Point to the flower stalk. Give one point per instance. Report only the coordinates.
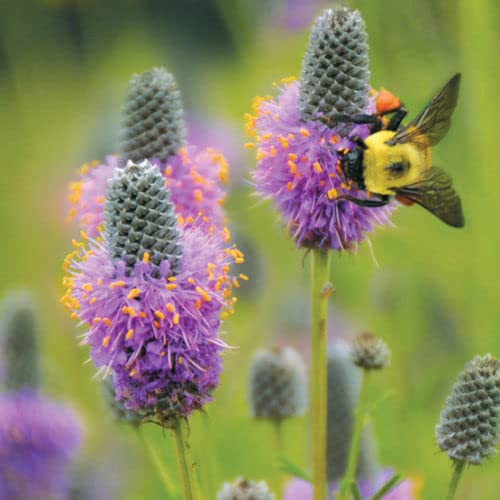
(455, 478)
(184, 460)
(320, 291)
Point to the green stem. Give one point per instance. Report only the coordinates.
(278, 446)
(455, 478)
(320, 290)
(359, 422)
(157, 462)
(184, 461)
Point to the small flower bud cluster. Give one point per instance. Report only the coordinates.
(278, 387)
(468, 429)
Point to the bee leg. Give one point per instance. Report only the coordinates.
(383, 200)
(397, 118)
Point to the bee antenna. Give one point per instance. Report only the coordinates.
(359, 142)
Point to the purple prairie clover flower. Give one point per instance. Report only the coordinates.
(298, 167)
(155, 331)
(194, 177)
(38, 441)
(298, 489)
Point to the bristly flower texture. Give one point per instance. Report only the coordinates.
(299, 146)
(154, 128)
(38, 441)
(153, 324)
(194, 176)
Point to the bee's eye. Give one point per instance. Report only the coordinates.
(397, 168)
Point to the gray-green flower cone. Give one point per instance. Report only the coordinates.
(243, 489)
(344, 381)
(153, 117)
(370, 352)
(19, 342)
(468, 429)
(139, 217)
(335, 69)
(277, 384)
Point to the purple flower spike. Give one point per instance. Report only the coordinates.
(38, 441)
(156, 333)
(299, 169)
(194, 176)
(298, 489)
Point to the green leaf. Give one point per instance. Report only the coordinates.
(355, 491)
(286, 465)
(387, 487)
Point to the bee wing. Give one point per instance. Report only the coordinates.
(435, 193)
(434, 121)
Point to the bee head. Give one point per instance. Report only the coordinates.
(351, 162)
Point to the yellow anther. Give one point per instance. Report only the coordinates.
(96, 320)
(304, 132)
(249, 145)
(106, 321)
(191, 280)
(176, 319)
(179, 360)
(171, 286)
(332, 193)
(236, 283)
(170, 307)
(204, 295)
(261, 155)
(284, 143)
(197, 304)
(145, 258)
(73, 315)
(135, 292)
(244, 277)
(159, 315)
(289, 185)
(157, 324)
(172, 278)
(293, 167)
(99, 281)
(93, 300)
(142, 314)
(83, 235)
(272, 151)
(317, 167)
(198, 195)
(292, 157)
(129, 334)
(105, 341)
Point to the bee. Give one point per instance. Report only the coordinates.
(394, 161)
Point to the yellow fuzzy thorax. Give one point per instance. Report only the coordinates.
(379, 155)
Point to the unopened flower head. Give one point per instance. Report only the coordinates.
(344, 381)
(154, 130)
(19, 342)
(153, 323)
(370, 352)
(299, 148)
(468, 429)
(38, 442)
(278, 385)
(245, 489)
(153, 117)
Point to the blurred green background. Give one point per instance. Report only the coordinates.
(64, 67)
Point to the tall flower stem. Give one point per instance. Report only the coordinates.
(184, 460)
(157, 462)
(278, 448)
(455, 478)
(320, 291)
(359, 423)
